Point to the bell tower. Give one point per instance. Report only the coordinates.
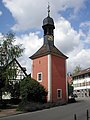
(48, 27)
(49, 64)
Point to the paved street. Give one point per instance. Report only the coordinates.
(65, 112)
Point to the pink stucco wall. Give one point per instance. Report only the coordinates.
(41, 65)
(58, 70)
(58, 76)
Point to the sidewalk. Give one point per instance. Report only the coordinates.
(7, 112)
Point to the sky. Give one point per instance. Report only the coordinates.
(71, 34)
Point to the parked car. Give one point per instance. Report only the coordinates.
(75, 95)
(71, 99)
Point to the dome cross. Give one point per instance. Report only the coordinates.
(48, 9)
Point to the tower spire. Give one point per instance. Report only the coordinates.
(48, 9)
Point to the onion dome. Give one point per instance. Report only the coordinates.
(48, 21)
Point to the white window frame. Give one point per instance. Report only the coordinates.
(38, 77)
(60, 93)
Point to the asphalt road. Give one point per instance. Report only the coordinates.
(65, 112)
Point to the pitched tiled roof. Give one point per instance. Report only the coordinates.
(47, 49)
(23, 69)
(83, 72)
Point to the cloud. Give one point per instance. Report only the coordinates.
(63, 5)
(80, 54)
(85, 30)
(0, 13)
(71, 44)
(31, 42)
(1, 37)
(84, 24)
(81, 58)
(66, 39)
(28, 14)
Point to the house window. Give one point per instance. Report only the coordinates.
(59, 93)
(39, 76)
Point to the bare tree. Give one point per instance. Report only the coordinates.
(76, 70)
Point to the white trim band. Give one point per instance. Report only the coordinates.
(49, 80)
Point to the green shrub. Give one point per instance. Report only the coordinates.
(30, 106)
(32, 91)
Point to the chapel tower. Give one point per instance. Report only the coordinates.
(49, 64)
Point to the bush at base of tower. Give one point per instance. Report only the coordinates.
(32, 91)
